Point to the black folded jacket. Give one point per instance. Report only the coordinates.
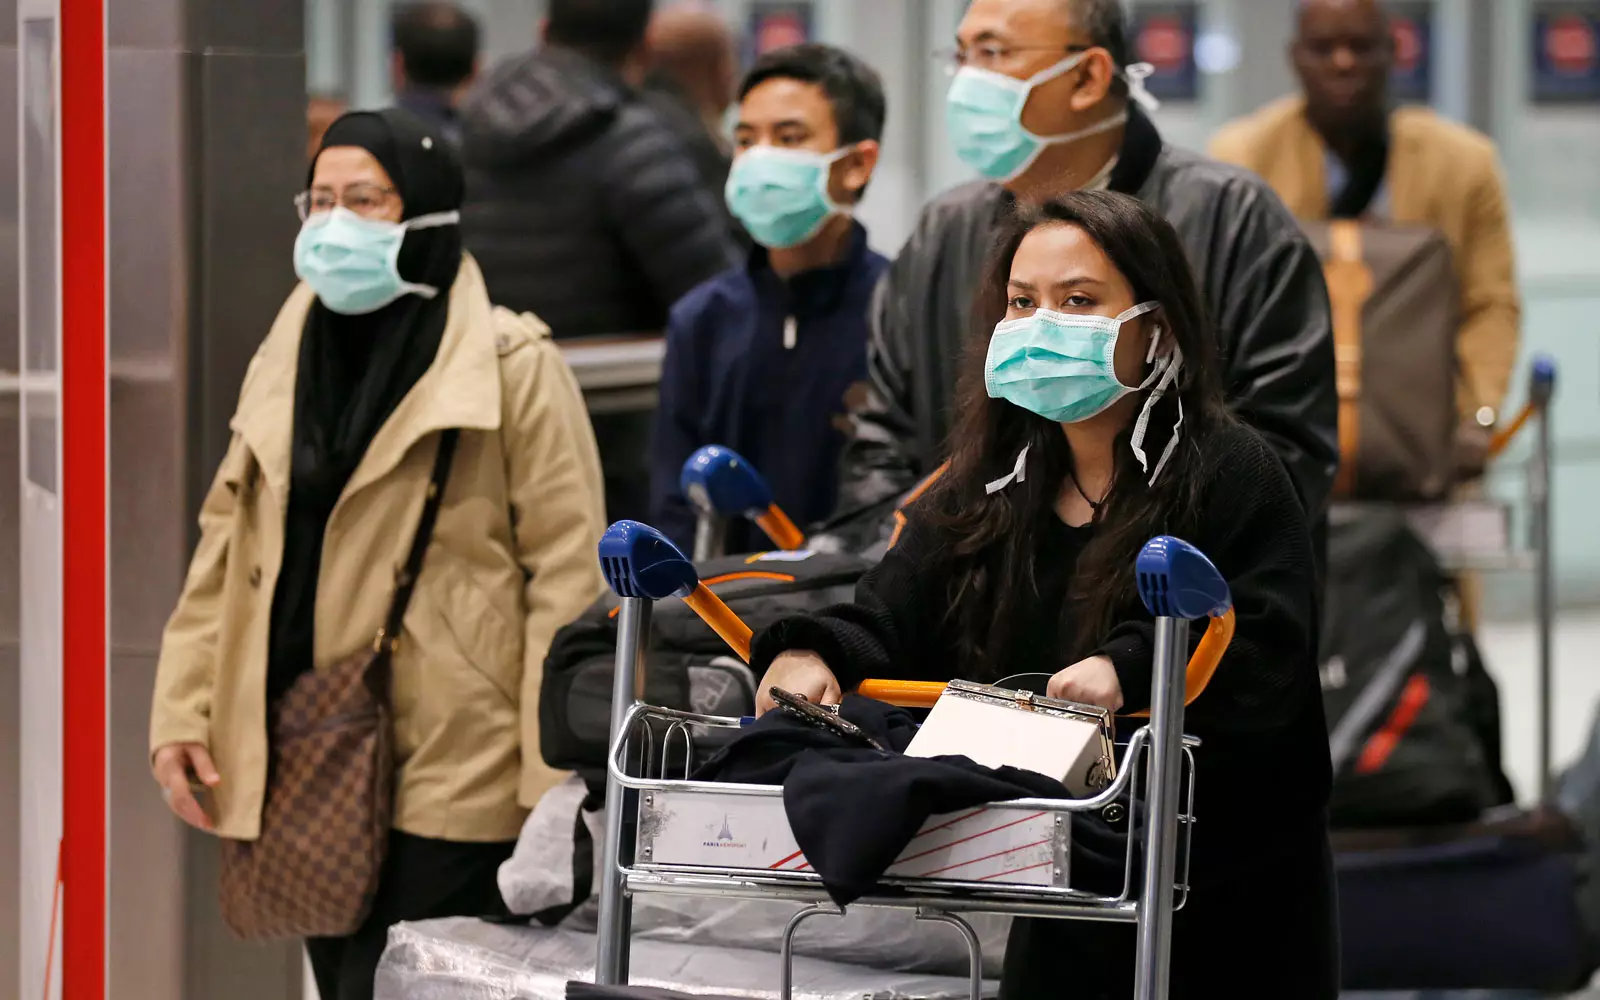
(853, 809)
(764, 752)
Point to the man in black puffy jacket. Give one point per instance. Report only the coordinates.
(1043, 102)
(582, 206)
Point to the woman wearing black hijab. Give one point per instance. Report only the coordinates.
(389, 343)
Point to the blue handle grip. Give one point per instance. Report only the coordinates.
(639, 561)
(718, 480)
(1176, 580)
(1542, 384)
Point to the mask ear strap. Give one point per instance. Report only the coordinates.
(1066, 65)
(1136, 74)
(1169, 376)
(1172, 445)
(1018, 474)
(834, 207)
(1134, 312)
(433, 220)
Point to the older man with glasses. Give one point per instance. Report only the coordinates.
(1043, 101)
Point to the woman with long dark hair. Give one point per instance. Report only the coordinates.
(1091, 419)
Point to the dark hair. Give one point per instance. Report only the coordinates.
(996, 535)
(1106, 26)
(854, 89)
(606, 30)
(437, 41)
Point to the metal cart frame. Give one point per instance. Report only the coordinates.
(1177, 584)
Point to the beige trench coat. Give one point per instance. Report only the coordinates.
(513, 559)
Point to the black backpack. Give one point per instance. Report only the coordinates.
(1413, 717)
(688, 667)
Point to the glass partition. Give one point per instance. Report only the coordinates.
(40, 699)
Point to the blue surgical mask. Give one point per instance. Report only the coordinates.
(781, 195)
(983, 110)
(1061, 367)
(353, 264)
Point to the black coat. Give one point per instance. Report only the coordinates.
(1261, 920)
(1260, 279)
(582, 206)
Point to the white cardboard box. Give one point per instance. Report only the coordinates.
(710, 829)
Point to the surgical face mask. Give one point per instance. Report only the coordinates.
(353, 263)
(781, 195)
(1062, 367)
(983, 110)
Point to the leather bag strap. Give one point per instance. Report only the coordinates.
(1349, 286)
(406, 583)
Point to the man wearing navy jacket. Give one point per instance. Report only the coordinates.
(762, 357)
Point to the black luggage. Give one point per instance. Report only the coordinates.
(1443, 884)
(1413, 717)
(688, 667)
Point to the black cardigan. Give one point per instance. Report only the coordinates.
(1263, 768)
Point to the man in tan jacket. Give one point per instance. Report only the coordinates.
(1340, 151)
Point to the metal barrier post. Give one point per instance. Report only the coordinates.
(1161, 810)
(710, 535)
(616, 910)
(1544, 586)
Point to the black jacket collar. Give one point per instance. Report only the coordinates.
(1141, 147)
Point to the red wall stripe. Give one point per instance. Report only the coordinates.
(83, 495)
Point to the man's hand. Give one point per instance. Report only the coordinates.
(1472, 449)
(173, 764)
(801, 672)
(1088, 682)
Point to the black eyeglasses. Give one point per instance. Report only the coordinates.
(995, 55)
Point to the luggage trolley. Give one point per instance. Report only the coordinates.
(656, 827)
(1475, 535)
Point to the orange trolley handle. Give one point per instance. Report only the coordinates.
(1541, 388)
(1202, 667)
(778, 527)
(714, 612)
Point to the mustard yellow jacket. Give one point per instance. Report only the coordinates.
(1440, 174)
(512, 559)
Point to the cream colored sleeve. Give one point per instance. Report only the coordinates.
(181, 706)
(558, 500)
(1491, 321)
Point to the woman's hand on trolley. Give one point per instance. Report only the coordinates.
(176, 767)
(1089, 682)
(801, 672)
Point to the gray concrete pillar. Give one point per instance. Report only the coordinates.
(207, 143)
